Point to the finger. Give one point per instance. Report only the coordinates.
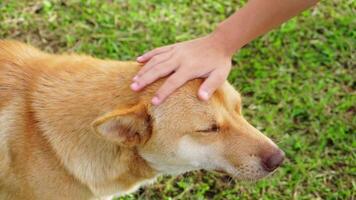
(212, 83)
(152, 62)
(147, 56)
(170, 85)
(156, 72)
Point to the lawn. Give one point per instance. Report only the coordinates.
(298, 82)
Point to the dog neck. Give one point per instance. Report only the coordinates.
(69, 93)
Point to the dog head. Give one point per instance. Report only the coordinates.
(185, 134)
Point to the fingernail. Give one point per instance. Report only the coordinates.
(155, 101)
(140, 59)
(134, 86)
(135, 78)
(203, 95)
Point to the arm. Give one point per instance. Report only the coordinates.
(209, 57)
(256, 18)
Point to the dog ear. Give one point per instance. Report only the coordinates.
(126, 127)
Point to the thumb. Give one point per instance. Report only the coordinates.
(212, 83)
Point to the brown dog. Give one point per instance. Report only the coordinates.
(71, 128)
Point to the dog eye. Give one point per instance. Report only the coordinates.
(213, 128)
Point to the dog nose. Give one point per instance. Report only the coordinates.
(272, 161)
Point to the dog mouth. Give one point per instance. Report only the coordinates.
(248, 173)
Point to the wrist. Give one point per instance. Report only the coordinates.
(220, 37)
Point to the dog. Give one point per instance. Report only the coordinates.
(71, 128)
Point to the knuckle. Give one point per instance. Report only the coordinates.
(163, 91)
(169, 66)
(189, 65)
(165, 69)
(143, 80)
(172, 82)
(184, 71)
(157, 69)
(161, 70)
(220, 76)
(185, 75)
(155, 59)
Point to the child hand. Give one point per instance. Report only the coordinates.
(203, 57)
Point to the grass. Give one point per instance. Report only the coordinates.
(298, 82)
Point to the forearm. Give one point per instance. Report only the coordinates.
(256, 18)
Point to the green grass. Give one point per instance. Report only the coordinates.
(298, 82)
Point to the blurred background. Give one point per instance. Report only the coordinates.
(298, 82)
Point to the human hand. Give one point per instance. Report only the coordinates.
(200, 58)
